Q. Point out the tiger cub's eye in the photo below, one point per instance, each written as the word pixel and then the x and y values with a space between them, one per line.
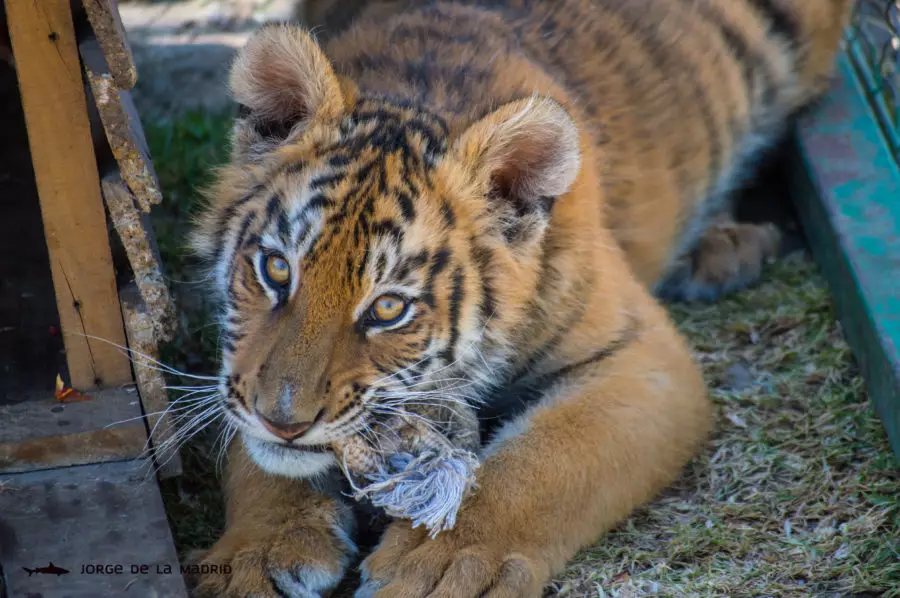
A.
pixel 388 308
pixel 278 271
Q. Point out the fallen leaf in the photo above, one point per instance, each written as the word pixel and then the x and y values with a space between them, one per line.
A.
pixel 61 390
pixel 69 395
pixel 73 396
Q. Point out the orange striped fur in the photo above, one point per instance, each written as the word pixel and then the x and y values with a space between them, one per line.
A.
pixel 522 175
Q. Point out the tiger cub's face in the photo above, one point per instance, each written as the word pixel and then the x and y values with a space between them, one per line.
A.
pixel 367 262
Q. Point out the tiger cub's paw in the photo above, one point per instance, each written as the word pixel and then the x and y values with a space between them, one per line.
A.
pixel 727 258
pixel 292 561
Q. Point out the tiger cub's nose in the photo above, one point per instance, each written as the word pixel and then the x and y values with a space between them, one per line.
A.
pixel 285 430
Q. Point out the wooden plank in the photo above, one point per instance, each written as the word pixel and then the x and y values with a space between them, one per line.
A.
pixel 136 234
pixel 49 72
pixel 142 339
pixel 122 126
pixel 846 187
pixel 49 433
pixel 107 25
pixel 104 514
pixel 126 139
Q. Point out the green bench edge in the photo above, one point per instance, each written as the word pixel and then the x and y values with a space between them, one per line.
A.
pixel 846 188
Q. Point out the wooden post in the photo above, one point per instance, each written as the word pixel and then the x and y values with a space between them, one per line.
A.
pixel 53 98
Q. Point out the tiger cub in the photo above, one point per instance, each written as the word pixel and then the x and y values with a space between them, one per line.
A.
pixel 484 196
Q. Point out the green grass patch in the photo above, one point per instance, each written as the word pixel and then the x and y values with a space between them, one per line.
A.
pixel 184 154
pixel 797 494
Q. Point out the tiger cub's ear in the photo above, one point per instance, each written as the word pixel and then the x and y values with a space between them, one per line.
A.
pixel 525 155
pixel 282 78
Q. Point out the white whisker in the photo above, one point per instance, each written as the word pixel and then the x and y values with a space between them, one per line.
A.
pixel 160 365
pixel 192 388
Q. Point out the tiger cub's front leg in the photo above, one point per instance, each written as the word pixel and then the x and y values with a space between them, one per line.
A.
pixel 283 537
pixel 608 435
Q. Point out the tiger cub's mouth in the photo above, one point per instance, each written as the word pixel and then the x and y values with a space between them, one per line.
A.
pixel 307 448
pixel 297 461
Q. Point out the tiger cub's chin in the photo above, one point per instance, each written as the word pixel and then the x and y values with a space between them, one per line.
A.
pixel 290 462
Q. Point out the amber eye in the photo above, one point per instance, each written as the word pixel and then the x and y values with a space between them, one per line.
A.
pixel 387 309
pixel 278 271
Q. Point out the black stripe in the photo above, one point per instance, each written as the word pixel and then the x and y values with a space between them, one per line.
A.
pixel 233 335
pixel 438 264
pixel 662 58
pixel 222 225
pixel 447 213
pixel 508 401
pixel 545 350
pixel 381 267
pixel 410 264
pixel 754 62
pixel 381 369
pixel 482 258
pixel 392 132
pixel 239 242
pixel 400 375
pixel 242 232
pixel 272 206
pixel 323 180
pixel 625 338
pixel 429 32
pixel 339 160
pixel 456 298
pixel 277 589
pixel 781 21
pixel 275 211
pixel 316 202
pixel 387 228
pixel 301 240
pixel 349 271
pixel 361 268
pixel 406 206
pixel 294 167
pixel 440 261
pixel 733 40
pixel 284 229
pixel 423 73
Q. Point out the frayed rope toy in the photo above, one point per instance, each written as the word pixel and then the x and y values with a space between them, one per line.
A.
pixel 416 472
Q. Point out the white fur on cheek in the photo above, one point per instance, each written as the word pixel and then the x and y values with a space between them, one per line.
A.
pixel 287 462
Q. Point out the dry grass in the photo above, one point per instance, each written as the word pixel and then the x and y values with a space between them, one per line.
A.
pixel 798 494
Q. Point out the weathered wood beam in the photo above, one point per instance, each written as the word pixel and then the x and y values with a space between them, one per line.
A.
pixel 53 98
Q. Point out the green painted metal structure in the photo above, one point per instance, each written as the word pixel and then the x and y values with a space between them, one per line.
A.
pixel 873 47
pixel 846 186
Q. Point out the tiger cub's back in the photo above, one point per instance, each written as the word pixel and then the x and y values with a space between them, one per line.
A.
pixel 680 96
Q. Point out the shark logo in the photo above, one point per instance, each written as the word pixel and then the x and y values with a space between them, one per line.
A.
pixel 50 569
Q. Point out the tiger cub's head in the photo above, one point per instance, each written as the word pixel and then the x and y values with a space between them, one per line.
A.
pixel 366 260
